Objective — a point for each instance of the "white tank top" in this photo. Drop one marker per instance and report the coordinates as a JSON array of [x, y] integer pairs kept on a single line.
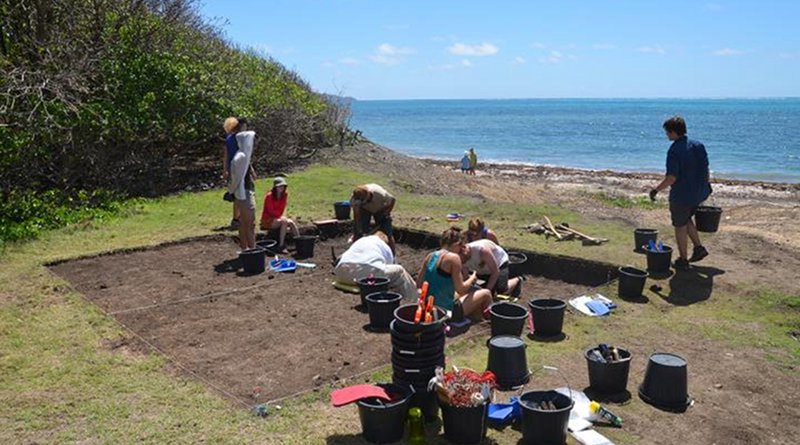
[[474, 261]]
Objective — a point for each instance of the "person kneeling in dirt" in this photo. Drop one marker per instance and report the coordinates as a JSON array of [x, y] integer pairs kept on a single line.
[[490, 261], [273, 218], [372, 201], [478, 230], [371, 255], [442, 270]]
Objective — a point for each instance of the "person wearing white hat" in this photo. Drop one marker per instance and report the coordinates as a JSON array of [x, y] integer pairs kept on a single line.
[[273, 217]]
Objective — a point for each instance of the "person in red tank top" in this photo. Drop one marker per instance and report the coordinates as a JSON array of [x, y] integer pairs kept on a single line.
[[273, 218]]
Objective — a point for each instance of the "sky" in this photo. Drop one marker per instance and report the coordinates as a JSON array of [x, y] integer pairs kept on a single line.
[[525, 49]]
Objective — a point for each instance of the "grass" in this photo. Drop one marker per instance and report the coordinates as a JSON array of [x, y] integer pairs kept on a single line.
[[627, 202], [61, 383]]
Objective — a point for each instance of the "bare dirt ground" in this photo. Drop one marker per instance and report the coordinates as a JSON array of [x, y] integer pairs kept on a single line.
[[759, 238], [280, 333], [740, 395]]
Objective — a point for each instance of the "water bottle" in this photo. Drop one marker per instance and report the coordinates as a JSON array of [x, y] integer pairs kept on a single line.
[[416, 427], [605, 414]]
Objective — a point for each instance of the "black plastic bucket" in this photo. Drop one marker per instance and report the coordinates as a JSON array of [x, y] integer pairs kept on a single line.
[[415, 351], [508, 362], [465, 425], [631, 282], [544, 427], [548, 316], [304, 245], [516, 262], [342, 210], [665, 383], [642, 237], [416, 362], [508, 318], [382, 421], [609, 377], [423, 399], [659, 262], [370, 285], [415, 376], [253, 260], [706, 218], [381, 306], [268, 245], [404, 320], [416, 339]]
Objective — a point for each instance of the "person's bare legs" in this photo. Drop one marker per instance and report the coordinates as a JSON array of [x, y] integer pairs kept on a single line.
[[475, 302], [691, 230], [512, 283], [682, 239], [247, 226]]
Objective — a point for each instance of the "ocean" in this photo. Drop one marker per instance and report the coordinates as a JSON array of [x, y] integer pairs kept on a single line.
[[757, 139]]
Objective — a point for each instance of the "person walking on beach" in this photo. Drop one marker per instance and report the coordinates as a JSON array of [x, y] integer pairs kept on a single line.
[[688, 178], [473, 160], [465, 163]]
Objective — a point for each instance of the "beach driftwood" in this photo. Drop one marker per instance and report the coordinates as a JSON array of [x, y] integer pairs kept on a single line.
[[586, 239], [562, 232]]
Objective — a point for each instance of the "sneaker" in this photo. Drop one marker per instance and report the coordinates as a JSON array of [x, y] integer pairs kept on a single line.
[[681, 264], [235, 224], [698, 253]]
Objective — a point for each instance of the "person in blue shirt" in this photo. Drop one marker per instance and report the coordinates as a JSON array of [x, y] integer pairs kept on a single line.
[[465, 163], [688, 178]]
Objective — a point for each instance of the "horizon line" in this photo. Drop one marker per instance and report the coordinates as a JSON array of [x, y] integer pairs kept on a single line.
[[587, 98]]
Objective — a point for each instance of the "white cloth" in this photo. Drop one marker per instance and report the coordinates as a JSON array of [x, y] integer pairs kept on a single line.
[[475, 262], [240, 164], [368, 250]]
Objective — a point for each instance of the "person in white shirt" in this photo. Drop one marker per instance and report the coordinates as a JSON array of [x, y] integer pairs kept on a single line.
[[371, 255], [490, 261]]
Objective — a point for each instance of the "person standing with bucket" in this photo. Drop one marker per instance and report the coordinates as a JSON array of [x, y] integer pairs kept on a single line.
[[372, 201], [241, 188], [688, 178]]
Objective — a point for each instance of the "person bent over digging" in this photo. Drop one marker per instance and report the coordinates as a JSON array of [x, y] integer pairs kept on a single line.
[[491, 263], [442, 270], [372, 201], [371, 255], [688, 179], [272, 216], [477, 230]]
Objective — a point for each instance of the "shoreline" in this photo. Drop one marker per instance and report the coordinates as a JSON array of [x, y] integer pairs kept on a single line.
[[544, 170]]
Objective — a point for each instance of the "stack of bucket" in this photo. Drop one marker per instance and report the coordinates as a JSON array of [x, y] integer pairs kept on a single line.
[[417, 350]]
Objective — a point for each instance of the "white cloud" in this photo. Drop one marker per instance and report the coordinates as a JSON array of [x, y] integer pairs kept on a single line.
[[652, 50], [518, 60], [466, 62], [484, 49], [553, 58], [603, 46], [725, 52], [386, 54], [538, 45], [391, 50], [349, 61]]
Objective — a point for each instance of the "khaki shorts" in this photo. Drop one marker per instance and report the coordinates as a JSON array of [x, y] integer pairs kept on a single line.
[[249, 203]]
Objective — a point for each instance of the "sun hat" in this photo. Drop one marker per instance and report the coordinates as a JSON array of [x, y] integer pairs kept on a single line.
[[279, 181]]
